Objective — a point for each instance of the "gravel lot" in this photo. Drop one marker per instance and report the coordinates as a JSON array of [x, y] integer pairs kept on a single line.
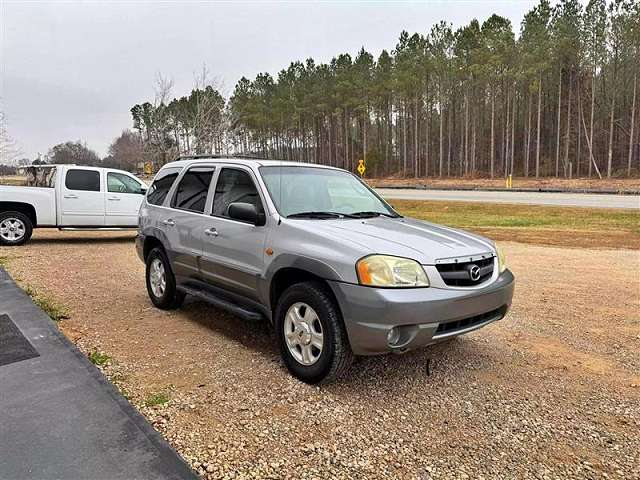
[[552, 391]]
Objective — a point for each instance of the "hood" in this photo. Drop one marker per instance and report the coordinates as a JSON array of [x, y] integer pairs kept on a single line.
[[403, 237]]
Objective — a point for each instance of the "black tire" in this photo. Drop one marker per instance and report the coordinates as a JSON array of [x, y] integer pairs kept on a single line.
[[171, 298], [28, 228], [336, 356]]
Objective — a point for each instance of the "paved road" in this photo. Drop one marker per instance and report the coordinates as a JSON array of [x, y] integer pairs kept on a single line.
[[59, 417], [529, 198]]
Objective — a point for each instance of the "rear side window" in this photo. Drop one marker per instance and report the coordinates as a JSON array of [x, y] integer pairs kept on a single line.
[[161, 185], [86, 180], [192, 190], [234, 186]]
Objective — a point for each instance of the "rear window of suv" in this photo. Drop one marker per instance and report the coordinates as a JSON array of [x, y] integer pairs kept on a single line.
[[162, 184], [192, 190]]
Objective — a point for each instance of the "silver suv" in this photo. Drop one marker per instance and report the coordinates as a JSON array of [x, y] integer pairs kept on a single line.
[[318, 254]]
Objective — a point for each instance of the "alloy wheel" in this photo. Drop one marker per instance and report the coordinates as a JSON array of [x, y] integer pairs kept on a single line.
[[12, 229], [303, 333], [157, 278]]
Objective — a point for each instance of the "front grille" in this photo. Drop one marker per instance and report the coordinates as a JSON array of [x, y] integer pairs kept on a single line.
[[459, 274], [456, 325]]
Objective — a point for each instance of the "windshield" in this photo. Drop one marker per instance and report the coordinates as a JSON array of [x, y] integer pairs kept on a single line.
[[321, 193]]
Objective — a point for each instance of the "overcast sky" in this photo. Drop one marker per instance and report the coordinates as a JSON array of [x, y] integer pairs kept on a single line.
[[72, 70]]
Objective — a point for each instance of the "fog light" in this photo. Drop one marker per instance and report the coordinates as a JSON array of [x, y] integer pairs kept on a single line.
[[393, 336]]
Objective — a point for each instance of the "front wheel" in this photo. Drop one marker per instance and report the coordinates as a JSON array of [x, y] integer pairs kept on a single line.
[[311, 334], [15, 228], [161, 283]]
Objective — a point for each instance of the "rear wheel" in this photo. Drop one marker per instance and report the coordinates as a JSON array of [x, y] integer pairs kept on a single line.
[[15, 228], [161, 283], [311, 334]]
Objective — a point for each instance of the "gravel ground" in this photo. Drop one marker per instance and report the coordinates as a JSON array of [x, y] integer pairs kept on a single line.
[[551, 391]]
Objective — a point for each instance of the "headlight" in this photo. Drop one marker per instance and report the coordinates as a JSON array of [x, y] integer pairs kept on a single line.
[[502, 260], [387, 271]]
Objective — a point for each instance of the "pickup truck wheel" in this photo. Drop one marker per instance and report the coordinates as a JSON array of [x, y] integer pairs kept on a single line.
[[313, 342], [15, 228], [161, 283]]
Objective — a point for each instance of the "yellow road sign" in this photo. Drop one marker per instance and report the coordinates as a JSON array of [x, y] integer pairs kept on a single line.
[[361, 168], [509, 181]]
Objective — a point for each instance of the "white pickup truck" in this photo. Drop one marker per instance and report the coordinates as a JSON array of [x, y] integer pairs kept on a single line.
[[69, 196]]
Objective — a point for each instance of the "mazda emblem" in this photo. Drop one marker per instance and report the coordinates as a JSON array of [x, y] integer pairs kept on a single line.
[[474, 273]]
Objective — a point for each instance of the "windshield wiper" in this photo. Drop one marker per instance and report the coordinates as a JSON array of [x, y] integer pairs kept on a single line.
[[320, 214], [372, 214]]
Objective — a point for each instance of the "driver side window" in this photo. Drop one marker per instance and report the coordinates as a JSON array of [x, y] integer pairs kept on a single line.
[[234, 186], [119, 183]]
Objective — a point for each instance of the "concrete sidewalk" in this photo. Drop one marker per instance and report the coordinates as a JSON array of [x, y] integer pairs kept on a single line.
[[60, 417]]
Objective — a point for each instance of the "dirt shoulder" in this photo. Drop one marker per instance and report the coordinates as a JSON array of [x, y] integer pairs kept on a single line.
[[550, 391], [596, 184]]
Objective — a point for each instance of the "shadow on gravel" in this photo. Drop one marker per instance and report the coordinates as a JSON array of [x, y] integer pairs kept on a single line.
[[435, 365], [371, 375], [257, 336]]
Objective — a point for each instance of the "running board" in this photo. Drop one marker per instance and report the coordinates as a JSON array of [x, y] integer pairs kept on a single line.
[[96, 229], [223, 303]]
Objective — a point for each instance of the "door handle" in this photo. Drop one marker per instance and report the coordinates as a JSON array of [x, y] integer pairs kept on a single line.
[[71, 195], [169, 223], [114, 199], [211, 232]]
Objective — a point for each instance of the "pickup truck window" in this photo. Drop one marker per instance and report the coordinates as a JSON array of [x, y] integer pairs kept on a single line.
[[85, 180], [234, 186], [120, 183], [192, 190], [161, 185]]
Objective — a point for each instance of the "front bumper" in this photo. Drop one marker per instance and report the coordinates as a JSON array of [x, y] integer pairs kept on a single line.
[[422, 315]]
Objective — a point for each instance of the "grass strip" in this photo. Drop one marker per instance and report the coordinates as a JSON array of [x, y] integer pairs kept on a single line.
[[571, 226]]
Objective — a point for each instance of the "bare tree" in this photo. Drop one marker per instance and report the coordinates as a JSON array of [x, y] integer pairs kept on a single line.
[[538, 125], [126, 151], [158, 128], [633, 117], [9, 151], [208, 125], [558, 124]]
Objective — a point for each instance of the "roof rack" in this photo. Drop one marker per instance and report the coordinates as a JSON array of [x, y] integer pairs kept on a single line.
[[217, 155]]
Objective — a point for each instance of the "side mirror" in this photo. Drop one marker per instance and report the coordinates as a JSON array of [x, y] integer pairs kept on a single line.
[[245, 212], [143, 190]]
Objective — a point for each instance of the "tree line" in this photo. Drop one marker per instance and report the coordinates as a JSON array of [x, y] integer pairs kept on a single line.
[[558, 99]]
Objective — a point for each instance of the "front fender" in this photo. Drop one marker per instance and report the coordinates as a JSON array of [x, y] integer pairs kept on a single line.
[[311, 265], [286, 260]]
